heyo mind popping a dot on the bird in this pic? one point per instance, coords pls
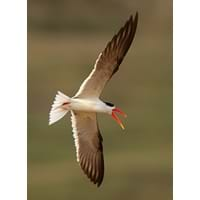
(86, 103)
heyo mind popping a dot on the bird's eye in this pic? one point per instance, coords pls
(109, 104)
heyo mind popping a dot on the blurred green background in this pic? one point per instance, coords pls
(64, 40)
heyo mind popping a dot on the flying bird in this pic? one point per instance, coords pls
(86, 103)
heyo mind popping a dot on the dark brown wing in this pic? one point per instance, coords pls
(88, 142)
(109, 60)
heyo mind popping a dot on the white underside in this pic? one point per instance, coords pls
(89, 105)
(62, 104)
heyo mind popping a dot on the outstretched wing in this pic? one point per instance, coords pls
(88, 143)
(109, 60)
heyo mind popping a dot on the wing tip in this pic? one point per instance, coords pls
(96, 173)
(136, 17)
(135, 21)
(99, 183)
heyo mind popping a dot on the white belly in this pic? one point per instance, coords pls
(89, 105)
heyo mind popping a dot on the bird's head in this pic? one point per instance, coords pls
(115, 110)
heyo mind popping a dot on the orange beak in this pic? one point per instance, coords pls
(115, 117)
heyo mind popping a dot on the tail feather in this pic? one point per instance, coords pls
(57, 111)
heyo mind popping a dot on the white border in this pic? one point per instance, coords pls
(13, 90)
(13, 62)
(186, 100)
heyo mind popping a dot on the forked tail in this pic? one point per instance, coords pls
(58, 109)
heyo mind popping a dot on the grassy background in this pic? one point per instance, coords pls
(64, 39)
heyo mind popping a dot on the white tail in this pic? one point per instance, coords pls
(57, 111)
